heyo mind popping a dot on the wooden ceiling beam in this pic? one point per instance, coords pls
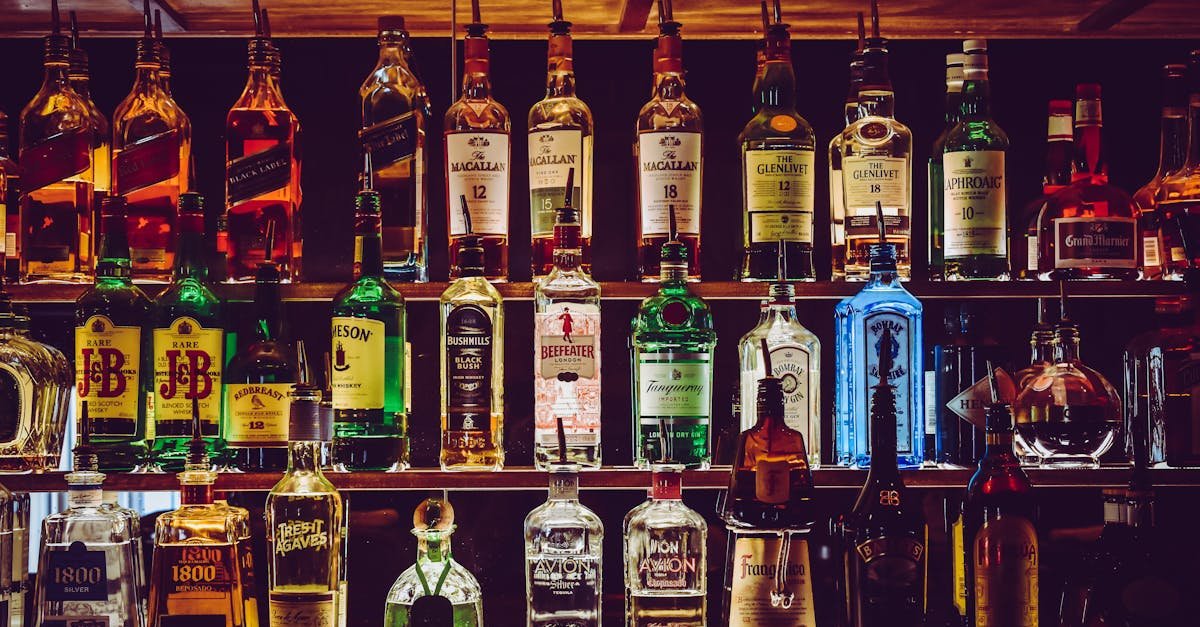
(1110, 14)
(172, 20)
(634, 15)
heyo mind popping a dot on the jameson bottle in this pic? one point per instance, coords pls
(778, 160)
(368, 362)
(113, 364)
(954, 84)
(395, 112)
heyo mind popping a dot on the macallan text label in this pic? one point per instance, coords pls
(900, 375)
(974, 205)
(256, 414)
(669, 174)
(187, 367)
(477, 167)
(551, 155)
(566, 377)
(107, 371)
(755, 578)
(1005, 556)
(779, 195)
(358, 363)
(468, 368)
(1104, 242)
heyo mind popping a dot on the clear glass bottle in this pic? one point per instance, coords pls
(54, 397)
(1179, 195)
(436, 590)
(563, 552)
(957, 388)
(79, 76)
(135, 538)
(1042, 344)
(566, 377)
(1162, 368)
(1172, 154)
(21, 593)
(837, 204)
(560, 138)
(935, 170)
(665, 549)
(39, 383)
(1056, 175)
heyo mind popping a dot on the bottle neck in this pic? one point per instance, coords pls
(56, 74)
(673, 274)
(976, 99)
(368, 246)
(1173, 141)
(954, 103)
(998, 447)
(564, 486)
(1042, 345)
(304, 456)
(1067, 346)
(1089, 158)
(668, 85)
(1193, 125)
(266, 306)
(476, 83)
(567, 250)
(113, 261)
(196, 494)
(777, 89)
(433, 546)
(79, 82)
(190, 255)
(560, 67)
(876, 101)
(146, 78)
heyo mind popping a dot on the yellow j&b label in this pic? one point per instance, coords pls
(358, 363)
(187, 365)
(256, 414)
(107, 367)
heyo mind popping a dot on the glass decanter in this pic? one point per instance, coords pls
(436, 590)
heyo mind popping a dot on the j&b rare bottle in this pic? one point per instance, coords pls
(436, 590)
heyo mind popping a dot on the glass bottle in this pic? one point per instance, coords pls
(245, 557)
(371, 417)
(188, 345)
(478, 157)
(134, 520)
(39, 387)
(1087, 230)
(560, 138)
(151, 155)
(395, 109)
(665, 548)
(113, 349)
(1172, 154)
(79, 76)
(436, 590)
(21, 593)
(1162, 374)
(563, 554)
(837, 204)
(1056, 175)
(262, 169)
(957, 386)
(58, 172)
(935, 170)
(1179, 196)
(566, 377)
(668, 156)
(10, 199)
(778, 177)
(1042, 343)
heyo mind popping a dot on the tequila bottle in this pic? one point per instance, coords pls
(566, 347)
(395, 113)
(560, 138)
(113, 348)
(837, 203)
(935, 170)
(188, 345)
(1172, 154)
(1179, 196)
(436, 590)
(80, 78)
(371, 428)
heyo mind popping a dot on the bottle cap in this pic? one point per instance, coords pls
(476, 28)
(883, 257)
(955, 58)
(666, 481)
(304, 418)
(1061, 107)
(975, 45)
(434, 514)
(1087, 91)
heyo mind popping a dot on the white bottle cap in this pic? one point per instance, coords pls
(975, 45)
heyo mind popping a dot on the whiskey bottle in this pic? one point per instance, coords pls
(935, 170)
(436, 590)
(472, 316)
(478, 157)
(957, 388)
(560, 138)
(885, 532)
(113, 349)
(188, 345)
(778, 157)
(40, 382)
(262, 168)
(10, 199)
(566, 345)
(1172, 154)
(1160, 368)
(1057, 174)
(837, 203)
(58, 172)
(79, 76)
(152, 150)
(1179, 196)
(668, 155)
(368, 369)
(672, 343)
(395, 113)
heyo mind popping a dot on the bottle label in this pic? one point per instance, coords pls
(257, 414)
(779, 195)
(900, 375)
(566, 377)
(469, 360)
(145, 162)
(1150, 255)
(107, 372)
(303, 610)
(958, 567)
(359, 357)
(56, 158)
(971, 404)
(671, 559)
(85, 496)
(187, 366)
(1087, 112)
(198, 571)
(1005, 554)
(973, 197)
(301, 535)
(76, 574)
(18, 427)
(756, 579)
(669, 174)
(772, 483)
(1031, 253)
(477, 167)
(931, 412)
(563, 582)
(259, 173)
(890, 566)
(867, 180)
(674, 384)
(391, 141)
(551, 155)
(790, 364)
(1106, 242)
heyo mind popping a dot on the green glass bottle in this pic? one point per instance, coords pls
(370, 413)
(673, 341)
(113, 347)
(189, 344)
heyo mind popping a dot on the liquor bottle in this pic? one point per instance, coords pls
(79, 76)
(262, 167)
(957, 390)
(760, 54)
(668, 156)
(999, 542)
(666, 568)
(113, 349)
(673, 342)
(1056, 175)
(837, 204)
(10, 202)
(152, 151)
(58, 172)
(21, 594)
(1179, 196)
(395, 113)
(795, 358)
(975, 210)
(1172, 154)
(1087, 230)
(885, 533)
(240, 517)
(778, 177)
(188, 345)
(560, 138)
(1042, 343)
(304, 522)
(860, 319)
(371, 422)
(876, 168)
(566, 339)
(134, 523)
(259, 378)
(40, 382)
(478, 157)
(436, 590)
(935, 170)
(472, 315)
(1161, 368)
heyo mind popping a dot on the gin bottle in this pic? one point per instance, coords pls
(436, 590)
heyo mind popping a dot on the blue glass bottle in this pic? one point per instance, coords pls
(860, 319)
